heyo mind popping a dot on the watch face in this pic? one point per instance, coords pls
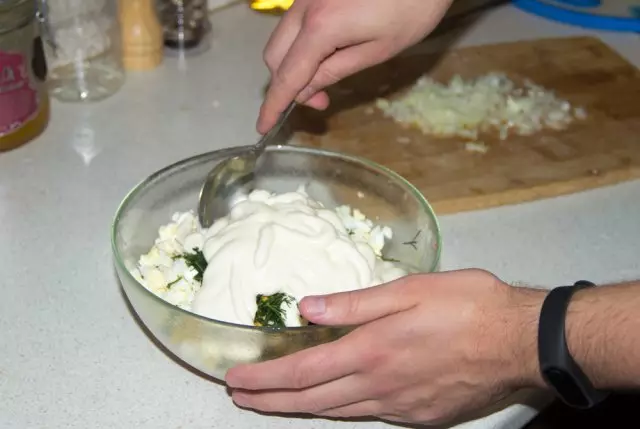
(566, 387)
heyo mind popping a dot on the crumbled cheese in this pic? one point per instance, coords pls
(362, 228)
(162, 271)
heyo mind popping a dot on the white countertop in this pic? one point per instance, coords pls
(71, 354)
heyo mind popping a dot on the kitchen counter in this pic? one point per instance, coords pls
(72, 354)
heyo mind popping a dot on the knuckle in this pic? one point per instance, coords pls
(325, 77)
(269, 58)
(402, 408)
(335, 413)
(302, 373)
(423, 409)
(316, 18)
(306, 403)
(411, 287)
(428, 416)
(377, 361)
(283, 76)
(421, 416)
(300, 376)
(352, 303)
(415, 409)
(385, 49)
(383, 390)
(259, 402)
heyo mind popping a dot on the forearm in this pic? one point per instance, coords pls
(603, 335)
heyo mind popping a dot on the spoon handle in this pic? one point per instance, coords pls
(265, 140)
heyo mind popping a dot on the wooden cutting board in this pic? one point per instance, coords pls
(601, 150)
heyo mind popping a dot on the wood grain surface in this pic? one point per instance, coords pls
(603, 149)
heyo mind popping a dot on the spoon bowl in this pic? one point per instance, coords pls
(225, 183)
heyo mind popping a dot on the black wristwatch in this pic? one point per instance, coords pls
(560, 372)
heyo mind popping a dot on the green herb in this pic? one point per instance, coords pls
(271, 312)
(414, 242)
(174, 282)
(195, 260)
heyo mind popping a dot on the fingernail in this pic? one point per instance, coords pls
(314, 305)
(239, 399)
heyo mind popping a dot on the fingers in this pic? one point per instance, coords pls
(359, 409)
(283, 36)
(316, 400)
(294, 73)
(300, 370)
(320, 101)
(302, 78)
(358, 307)
(344, 63)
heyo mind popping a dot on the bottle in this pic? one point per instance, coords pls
(142, 47)
(185, 24)
(82, 46)
(24, 101)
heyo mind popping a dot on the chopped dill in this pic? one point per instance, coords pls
(271, 310)
(414, 241)
(195, 260)
(174, 282)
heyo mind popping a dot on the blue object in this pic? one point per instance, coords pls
(587, 19)
(582, 3)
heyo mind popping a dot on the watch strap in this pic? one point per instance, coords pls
(558, 368)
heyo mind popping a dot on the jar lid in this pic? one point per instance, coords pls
(12, 2)
(15, 13)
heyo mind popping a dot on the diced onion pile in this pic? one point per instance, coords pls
(492, 102)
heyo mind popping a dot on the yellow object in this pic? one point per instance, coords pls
(30, 129)
(269, 5)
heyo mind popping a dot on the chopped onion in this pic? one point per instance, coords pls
(465, 108)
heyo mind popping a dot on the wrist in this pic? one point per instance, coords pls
(525, 305)
(599, 329)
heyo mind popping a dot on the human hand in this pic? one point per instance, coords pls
(319, 42)
(430, 348)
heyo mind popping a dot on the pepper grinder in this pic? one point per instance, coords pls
(142, 42)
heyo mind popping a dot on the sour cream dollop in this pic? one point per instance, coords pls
(272, 243)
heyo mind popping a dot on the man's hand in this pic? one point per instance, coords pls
(430, 347)
(319, 42)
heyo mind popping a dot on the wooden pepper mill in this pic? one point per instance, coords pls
(142, 40)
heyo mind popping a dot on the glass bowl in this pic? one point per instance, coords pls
(213, 346)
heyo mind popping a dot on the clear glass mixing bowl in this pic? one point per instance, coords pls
(213, 346)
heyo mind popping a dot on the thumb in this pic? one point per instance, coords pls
(356, 307)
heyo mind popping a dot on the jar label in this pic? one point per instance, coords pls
(18, 97)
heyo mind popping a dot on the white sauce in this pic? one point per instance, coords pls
(272, 243)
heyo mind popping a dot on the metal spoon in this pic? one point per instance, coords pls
(226, 179)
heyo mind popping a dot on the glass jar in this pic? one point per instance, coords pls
(24, 102)
(185, 24)
(83, 48)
